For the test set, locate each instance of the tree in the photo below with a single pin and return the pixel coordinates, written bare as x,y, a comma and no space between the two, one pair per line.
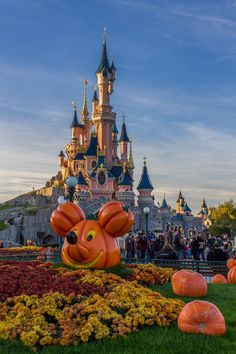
224,218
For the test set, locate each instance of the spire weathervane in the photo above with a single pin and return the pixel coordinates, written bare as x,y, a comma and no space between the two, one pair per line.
144,160
123,117
104,35
74,105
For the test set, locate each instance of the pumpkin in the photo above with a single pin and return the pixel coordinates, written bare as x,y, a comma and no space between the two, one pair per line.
202,317
231,262
232,276
188,283
115,219
91,243
219,279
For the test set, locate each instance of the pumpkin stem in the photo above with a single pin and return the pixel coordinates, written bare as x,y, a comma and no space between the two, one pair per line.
126,208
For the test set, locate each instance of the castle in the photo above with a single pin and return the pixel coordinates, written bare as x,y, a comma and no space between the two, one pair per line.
103,163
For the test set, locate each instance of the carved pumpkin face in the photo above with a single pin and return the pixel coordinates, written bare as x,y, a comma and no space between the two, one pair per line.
90,243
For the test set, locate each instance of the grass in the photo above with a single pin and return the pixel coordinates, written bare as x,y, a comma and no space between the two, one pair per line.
167,340
2,225
5,206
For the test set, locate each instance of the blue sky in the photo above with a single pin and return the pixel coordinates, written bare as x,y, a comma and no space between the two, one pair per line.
176,83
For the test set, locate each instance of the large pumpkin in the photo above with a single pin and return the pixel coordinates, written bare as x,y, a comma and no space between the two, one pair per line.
202,317
232,275
188,283
219,279
231,263
91,243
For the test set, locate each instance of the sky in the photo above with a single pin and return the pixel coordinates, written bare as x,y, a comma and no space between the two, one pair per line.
176,84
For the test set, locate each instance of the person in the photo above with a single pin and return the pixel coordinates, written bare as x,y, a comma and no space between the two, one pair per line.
151,247
1,244
177,244
143,246
129,246
217,254
167,252
194,245
138,245
201,247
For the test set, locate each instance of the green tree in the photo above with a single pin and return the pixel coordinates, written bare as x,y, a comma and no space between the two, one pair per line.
224,218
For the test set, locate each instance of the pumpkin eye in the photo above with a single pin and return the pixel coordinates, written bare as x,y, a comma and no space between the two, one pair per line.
90,235
71,238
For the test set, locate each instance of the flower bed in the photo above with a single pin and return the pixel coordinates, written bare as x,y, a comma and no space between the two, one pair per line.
149,274
36,278
70,307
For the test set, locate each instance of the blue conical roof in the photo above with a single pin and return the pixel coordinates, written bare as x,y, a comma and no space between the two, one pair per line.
75,123
186,208
123,134
81,179
126,179
164,204
92,149
114,128
61,154
145,182
104,63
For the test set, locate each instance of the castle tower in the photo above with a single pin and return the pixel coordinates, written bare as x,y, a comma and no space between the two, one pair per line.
103,117
95,99
115,143
204,207
124,140
178,202
61,158
77,129
145,198
85,115
164,208
131,161
125,192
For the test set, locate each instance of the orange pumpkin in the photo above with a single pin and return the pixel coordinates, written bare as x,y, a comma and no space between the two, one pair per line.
115,219
231,262
232,275
202,317
219,279
91,243
188,283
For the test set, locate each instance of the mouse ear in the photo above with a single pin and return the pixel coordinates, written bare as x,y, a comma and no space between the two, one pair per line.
65,217
116,219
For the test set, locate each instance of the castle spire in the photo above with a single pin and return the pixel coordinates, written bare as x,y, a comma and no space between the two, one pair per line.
75,122
85,112
123,134
145,181
131,161
104,63
95,96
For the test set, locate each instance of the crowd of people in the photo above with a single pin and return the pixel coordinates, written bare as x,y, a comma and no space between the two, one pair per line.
174,245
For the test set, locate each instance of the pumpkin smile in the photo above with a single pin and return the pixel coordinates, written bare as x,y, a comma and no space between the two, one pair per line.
70,262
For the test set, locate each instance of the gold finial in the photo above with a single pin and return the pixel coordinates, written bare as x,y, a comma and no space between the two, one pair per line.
144,160
131,161
104,35
85,112
124,167
74,105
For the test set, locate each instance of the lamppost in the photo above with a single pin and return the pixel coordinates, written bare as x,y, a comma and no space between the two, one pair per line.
146,211
61,200
71,182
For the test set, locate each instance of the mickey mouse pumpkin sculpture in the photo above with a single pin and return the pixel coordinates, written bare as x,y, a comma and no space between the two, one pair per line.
91,243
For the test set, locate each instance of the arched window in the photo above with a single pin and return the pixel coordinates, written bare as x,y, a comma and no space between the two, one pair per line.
94,162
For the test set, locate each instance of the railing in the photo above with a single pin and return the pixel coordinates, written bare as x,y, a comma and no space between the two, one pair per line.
207,269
